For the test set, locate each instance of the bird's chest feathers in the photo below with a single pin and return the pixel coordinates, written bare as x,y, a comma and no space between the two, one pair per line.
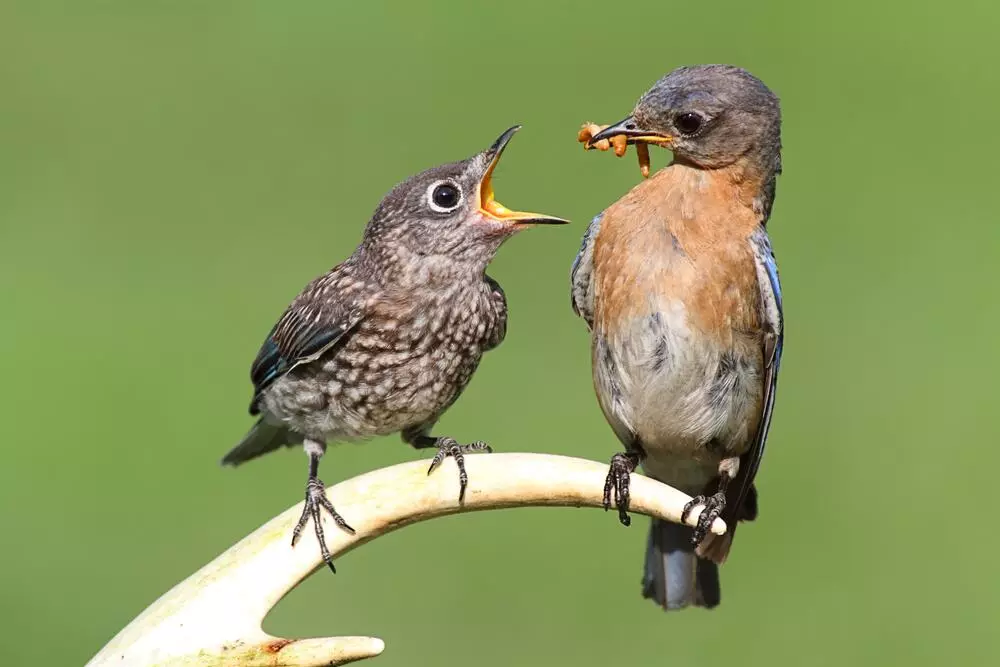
447,327
407,361
681,236
677,339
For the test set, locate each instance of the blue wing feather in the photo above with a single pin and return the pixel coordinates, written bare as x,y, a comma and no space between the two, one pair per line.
771,304
271,363
319,317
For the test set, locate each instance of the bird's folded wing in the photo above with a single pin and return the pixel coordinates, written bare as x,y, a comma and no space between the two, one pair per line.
770,298
582,274
319,317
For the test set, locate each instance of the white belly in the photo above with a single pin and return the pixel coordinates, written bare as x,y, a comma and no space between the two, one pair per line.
687,401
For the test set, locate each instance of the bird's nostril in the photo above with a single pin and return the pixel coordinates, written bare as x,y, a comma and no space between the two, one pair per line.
629,126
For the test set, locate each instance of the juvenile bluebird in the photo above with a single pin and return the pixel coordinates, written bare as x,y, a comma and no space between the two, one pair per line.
679,288
387,340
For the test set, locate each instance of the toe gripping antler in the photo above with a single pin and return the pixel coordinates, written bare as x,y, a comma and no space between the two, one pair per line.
214,616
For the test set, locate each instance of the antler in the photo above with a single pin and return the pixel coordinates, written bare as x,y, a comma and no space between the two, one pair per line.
214,616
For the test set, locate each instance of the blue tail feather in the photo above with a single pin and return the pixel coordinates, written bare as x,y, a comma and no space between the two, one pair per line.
674,577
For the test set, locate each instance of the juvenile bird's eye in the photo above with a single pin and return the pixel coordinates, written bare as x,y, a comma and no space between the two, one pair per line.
688,123
445,197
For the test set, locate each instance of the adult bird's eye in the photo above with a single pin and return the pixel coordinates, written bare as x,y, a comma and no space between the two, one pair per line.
445,197
688,123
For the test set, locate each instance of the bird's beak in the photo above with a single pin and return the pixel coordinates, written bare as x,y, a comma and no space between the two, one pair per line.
490,207
628,127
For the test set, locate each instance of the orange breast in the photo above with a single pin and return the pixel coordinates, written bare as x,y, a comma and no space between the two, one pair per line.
680,235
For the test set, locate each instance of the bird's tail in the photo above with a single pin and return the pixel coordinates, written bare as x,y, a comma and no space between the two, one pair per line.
264,437
674,577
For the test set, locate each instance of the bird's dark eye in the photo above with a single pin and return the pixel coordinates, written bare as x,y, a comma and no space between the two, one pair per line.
688,123
445,197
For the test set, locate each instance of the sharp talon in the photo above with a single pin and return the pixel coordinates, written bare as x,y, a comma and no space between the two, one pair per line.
339,520
316,500
713,506
433,466
622,465
449,447
691,504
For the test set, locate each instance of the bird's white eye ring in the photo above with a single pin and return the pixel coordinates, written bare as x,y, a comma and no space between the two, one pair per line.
444,196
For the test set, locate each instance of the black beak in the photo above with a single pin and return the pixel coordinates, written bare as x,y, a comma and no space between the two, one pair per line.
494,151
631,129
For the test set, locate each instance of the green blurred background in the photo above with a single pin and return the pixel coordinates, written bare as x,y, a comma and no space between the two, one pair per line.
172,173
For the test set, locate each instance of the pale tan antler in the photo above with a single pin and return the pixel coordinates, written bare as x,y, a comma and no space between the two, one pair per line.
214,617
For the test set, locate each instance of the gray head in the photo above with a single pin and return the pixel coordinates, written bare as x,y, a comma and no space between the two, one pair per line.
448,214
711,116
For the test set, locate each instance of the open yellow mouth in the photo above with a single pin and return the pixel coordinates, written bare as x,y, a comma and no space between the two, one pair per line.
490,207
487,200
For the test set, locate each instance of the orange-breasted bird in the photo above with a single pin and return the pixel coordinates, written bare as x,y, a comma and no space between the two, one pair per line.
678,285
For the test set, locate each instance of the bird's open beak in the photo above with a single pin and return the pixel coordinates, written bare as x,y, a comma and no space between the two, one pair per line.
490,207
628,127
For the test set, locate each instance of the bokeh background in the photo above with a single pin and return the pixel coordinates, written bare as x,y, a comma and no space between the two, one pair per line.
172,173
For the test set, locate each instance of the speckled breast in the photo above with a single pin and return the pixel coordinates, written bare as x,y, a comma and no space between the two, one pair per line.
403,365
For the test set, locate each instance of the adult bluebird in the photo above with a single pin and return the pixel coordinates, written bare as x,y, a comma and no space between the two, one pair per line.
387,340
678,285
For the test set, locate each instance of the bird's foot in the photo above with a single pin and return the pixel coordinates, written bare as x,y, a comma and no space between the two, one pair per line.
714,505
316,501
450,447
623,464
619,143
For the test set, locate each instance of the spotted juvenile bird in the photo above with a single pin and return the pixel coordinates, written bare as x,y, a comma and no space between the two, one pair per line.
679,287
387,340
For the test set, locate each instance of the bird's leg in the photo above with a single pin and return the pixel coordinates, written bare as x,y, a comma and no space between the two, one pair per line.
623,464
315,500
715,503
447,447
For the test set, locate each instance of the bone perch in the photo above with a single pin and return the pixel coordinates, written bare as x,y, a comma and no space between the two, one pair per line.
214,616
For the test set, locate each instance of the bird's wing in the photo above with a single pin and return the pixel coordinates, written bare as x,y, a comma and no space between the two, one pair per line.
500,303
582,274
319,317
770,297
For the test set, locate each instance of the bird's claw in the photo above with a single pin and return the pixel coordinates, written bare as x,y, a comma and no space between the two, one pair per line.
623,464
316,501
619,143
713,506
450,447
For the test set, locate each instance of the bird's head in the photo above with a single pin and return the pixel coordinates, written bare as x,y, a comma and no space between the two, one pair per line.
449,213
709,115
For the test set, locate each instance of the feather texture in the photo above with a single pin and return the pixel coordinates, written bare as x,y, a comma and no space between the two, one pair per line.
326,310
